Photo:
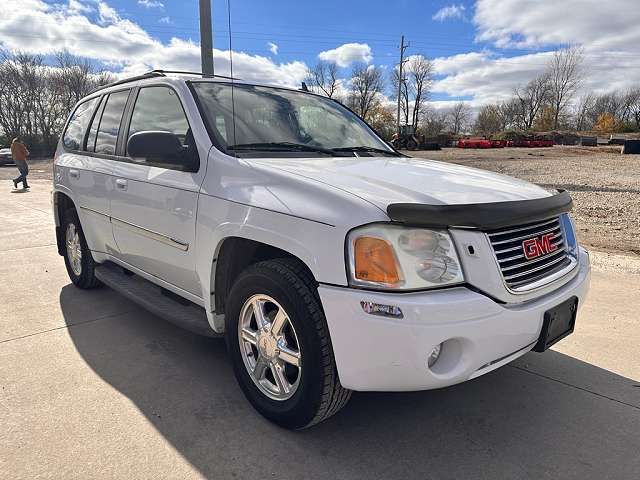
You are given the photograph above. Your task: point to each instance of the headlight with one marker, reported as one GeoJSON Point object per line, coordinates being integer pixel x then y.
{"type": "Point", "coordinates": [569, 232]}
{"type": "Point", "coordinates": [399, 258]}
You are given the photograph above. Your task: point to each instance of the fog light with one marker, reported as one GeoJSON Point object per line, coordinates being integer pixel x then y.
{"type": "Point", "coordinates": [434, 355]}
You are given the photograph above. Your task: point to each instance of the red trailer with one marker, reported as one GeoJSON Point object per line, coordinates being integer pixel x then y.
{"type": "Point", "coordinates": [474, 143]}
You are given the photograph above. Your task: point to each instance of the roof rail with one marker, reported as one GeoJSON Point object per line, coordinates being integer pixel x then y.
{"type": "Point", "coordinates": [184, 72]}
{"type": "Point", "coordinates": [155, 73]}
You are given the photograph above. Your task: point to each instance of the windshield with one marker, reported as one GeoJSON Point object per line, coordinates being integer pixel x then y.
{"type": "Point", "coordinates": [276, 120]}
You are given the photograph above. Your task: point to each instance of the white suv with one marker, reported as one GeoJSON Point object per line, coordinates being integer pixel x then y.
{"type": "Point", "coordinates": [330, 262]}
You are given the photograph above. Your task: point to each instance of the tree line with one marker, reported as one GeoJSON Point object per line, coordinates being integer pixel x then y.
{"type": "Point", "coordinates": [36, 98]}
{"type": "Point", "coordinates": [549, 101]}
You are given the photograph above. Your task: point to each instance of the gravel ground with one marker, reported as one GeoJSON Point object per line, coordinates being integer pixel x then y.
{"type": "Point", "coordinates": [605, 185]}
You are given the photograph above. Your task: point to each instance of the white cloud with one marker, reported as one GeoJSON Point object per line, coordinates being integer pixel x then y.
{"type": "Point", "coordinates": [521, 23]}
{"type": "Point", "coordinates": [150, 4]}
{"type": "Point", "coordinates": [35, 26]}
{"type": "Point", "coordinates": [273, 48]}
{"type": "Point", "coordinates": [609, 41]}
{"type": "Point", "coordinates": [166, 20]}
{"type": "Point", "coordinates": [348, 53]}
{"type": "Point", "coordinates": [485, 76]}
{"type": "Point", "coordinates": [450, 12]}
{"type": "Point", "coordinates": [75, 7]}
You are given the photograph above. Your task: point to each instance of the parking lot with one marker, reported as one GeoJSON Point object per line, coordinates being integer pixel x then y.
{"type": "Point", "coordinates": [93, 386]}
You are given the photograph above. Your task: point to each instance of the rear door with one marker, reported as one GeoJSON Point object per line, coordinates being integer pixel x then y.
{"type": "Point", "coordinates": [154, 205]}
{"type": "Point", "coordinates": [86, 174]}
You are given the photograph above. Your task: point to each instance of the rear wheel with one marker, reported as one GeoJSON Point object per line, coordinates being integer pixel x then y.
{"type": "Point", "coordinates": [278, 340]}
{"type": "Point", "coordinates": [77, 256]}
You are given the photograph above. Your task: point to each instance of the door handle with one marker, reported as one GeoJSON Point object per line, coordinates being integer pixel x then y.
{"type": "Point", "coordinates": [121, 184]}
{"type": "Point", "coordinates": [73, 173]}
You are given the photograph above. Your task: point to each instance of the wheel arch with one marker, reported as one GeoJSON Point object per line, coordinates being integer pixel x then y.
{"type": "Point", "coordinates": [233, 255]}
{"type": "Point", "coordinates": [61, 203]}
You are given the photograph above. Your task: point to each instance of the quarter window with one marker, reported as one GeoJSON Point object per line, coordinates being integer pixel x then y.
{"type": "Point", "coordinates": [74, 134]}
{"type": "Point", "coordinates": [110, 123]}
{"type": "Point", "coordinates": [93, 130]}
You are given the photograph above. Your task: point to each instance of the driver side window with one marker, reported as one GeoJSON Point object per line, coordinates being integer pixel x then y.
{"type": "Point", "coordinates": [158, 109]}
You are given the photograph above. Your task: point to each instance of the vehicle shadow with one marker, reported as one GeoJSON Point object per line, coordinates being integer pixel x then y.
{"type": "Point", "coordinates": [522, 421]}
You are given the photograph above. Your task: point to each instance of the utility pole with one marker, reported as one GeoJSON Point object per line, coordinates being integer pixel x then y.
{"type": "Point", "coordinates": [206, 38]}
{"type": "Point", "coordinates": [403, 47]}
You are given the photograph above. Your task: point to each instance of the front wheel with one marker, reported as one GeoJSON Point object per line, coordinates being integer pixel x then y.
{"type": "Point", "coordinates": [278, 340]}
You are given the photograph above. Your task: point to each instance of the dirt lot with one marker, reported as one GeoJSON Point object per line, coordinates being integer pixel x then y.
{"type": "Point", "coordinates": [605, 186]}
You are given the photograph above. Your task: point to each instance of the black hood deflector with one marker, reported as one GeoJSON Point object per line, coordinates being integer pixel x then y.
{"type": "Point", "coordinates": [481, 216]}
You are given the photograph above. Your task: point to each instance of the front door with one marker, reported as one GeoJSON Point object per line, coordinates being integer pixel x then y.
{"type": "Point", "coordinates": [153, 207]}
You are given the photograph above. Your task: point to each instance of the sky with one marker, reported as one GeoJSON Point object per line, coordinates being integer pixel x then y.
{"type": "Point", "coordinates": [481, 49]}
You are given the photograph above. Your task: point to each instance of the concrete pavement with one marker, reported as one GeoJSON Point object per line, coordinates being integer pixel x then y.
{"type": "Point", "coordinates": [91, 386]}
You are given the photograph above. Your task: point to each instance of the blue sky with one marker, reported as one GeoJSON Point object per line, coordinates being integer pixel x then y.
{"type": "Point", "coordinates": [481, 49]}
{"type": "Point", "coordinates": [301, 30]}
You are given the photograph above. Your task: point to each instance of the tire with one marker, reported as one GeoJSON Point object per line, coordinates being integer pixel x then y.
{"type": "Point", "coordinates": [318, 393]}
{"type": "Point", "coordinates": [82, 272]}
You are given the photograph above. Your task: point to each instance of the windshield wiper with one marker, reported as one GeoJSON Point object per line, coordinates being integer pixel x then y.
{"type": "Point", "coordinates": [280, 147]}
{"type": "Point", "coordinates": [363, 148]}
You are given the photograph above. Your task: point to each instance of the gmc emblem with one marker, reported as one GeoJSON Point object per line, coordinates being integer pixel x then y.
{"type": "Point", "coordinates": [538, 246]}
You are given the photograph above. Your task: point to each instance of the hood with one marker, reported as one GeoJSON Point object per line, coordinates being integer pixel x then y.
{"type": "Point", "coordinates": [383, 180]}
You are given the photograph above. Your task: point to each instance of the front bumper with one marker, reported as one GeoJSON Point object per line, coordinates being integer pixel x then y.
{"type": "Point", "coordinates": [479, 334]}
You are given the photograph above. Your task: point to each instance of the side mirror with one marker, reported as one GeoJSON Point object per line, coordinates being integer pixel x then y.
{"type": "Point", "coordinates": [164, 148]}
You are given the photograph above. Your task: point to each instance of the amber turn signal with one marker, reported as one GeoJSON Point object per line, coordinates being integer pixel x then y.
{"type": "Point", "coordinates": [375, 261]}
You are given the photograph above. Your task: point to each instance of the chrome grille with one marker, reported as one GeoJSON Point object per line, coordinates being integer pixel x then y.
{"type": "Point", "coordinates": [517, 271]}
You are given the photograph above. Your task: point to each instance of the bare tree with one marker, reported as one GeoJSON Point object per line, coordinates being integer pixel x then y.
{"type": "Point", "coordinates": [508, 114]}
{"type": "Point", "coordinates": [414, 88]}
{"type": "Point", "coordinates": [367, 85]}
{"type": "Point", "coordinates": [607, 103]}
{"type": "Point", "coordinates": [324, 78]}
{"type": "Point", "coordinates": [564, 76]}
{"type": "Point", "coordinates": [35, 98]}
{"type": "Point", "coordinates": [433, 121]}
{"type": "Point", "coordinates": [633, 100]}
{"type": "Point", "coordinates": [583, 108]}
{"type": "Point", "coordinates": [489, 120]}
{"type": "Point", "coordinates": [630, 100]}
{"type": "Point", "coordinates": [459, 117]}
{"type": "Point", "coordinates": [419, 80]}
{"type": "Point", "coordinates": [530, 100]}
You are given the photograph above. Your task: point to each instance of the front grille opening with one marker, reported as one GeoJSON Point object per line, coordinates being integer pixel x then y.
{"type": "Point", "coordinates": [516, 269]}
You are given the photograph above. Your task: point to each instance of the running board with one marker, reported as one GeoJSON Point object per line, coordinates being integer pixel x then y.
{"type": "Point", "coordinates": [155, 299]}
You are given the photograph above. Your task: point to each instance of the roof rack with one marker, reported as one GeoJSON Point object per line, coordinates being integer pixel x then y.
{"type": "Point", "coordinates": [152, 74]}
{"type": "Point", "coordinates": [156, 73]}
{"type": "Point", "coordinates": [185, 72]}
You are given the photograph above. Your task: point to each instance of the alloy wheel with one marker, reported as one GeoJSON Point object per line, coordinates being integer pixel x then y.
{"type": "Point", "coordinates": [74, 249]}
{"type": "Point", "coordinates": [269, 347]}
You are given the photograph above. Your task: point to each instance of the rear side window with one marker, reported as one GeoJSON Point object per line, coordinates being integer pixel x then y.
{"type": "Point", "coordinates": [110, 123]}
{"type": "Point", "coordinates": [74, 134]}
{"type": "Point", "coordinates": [93, 130]}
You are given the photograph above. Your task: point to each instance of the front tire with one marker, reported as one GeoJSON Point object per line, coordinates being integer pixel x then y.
{"type": "Point", "coordinates": [278, 340]}
{"type": "Point", "coordinates": [77, 256]}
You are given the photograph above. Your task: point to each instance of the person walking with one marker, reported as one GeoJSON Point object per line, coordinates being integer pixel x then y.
{"type": "Point", "coordinates": [20, 153]}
